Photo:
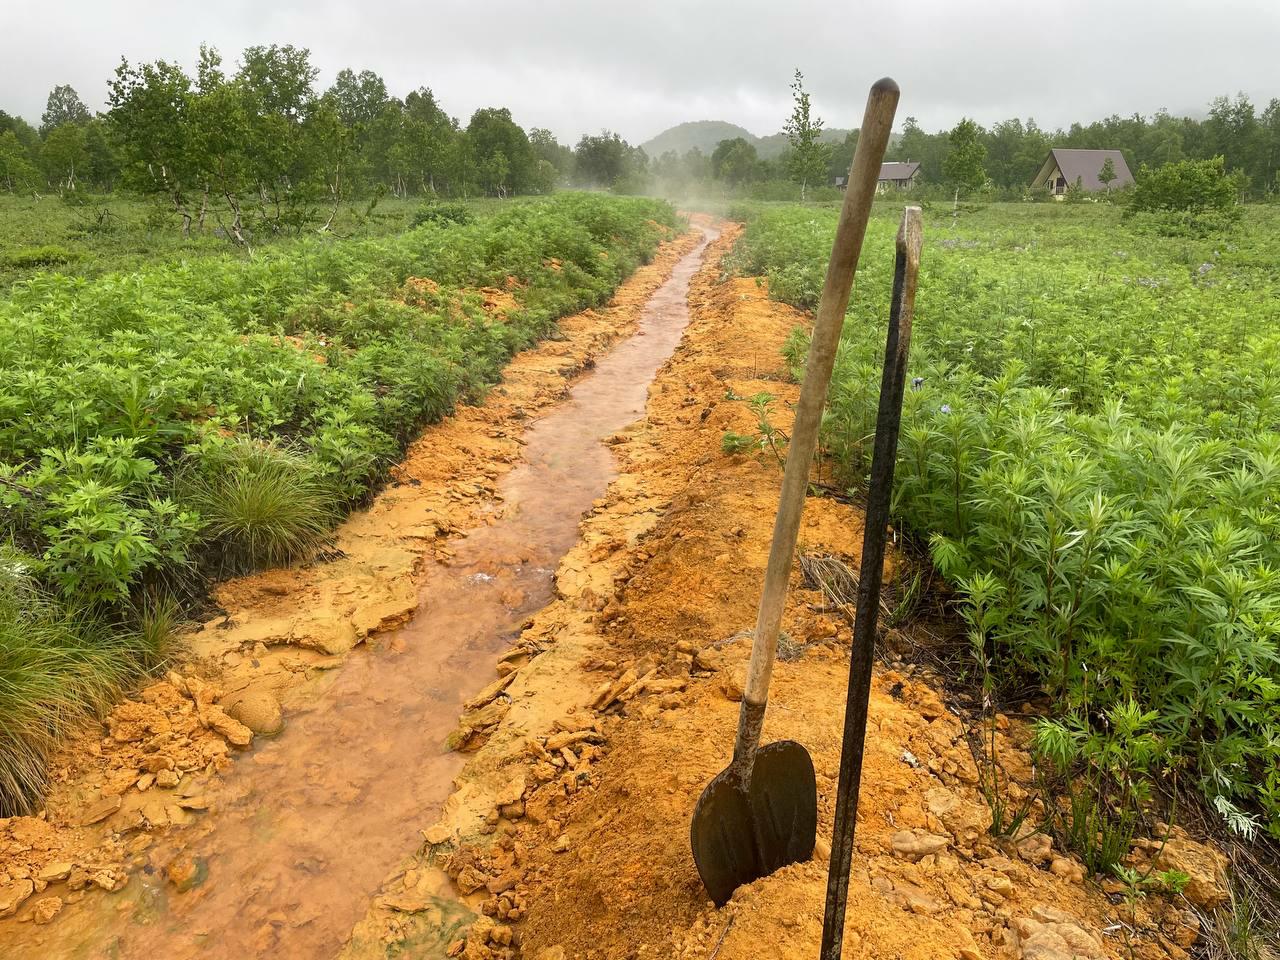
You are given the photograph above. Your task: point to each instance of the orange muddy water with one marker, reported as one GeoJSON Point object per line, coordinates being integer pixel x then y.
{"type": "Point", "coordinates": [306, 827]}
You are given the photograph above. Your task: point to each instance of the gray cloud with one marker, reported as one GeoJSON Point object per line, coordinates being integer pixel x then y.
{"type": "Point", "coordinates": [578, 66]}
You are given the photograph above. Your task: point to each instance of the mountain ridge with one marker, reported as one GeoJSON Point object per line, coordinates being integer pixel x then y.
{"type": "Point", "coordinates": [706, 134]}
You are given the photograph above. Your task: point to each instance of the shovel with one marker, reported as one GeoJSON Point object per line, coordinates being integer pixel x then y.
{"type": "Point", "coordinates": [888, 419]}
{"type": "Point", "coordinates": [761, 812]}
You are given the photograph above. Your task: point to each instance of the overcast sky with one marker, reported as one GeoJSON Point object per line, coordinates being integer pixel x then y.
{"type": "Point", "coordinates": [639, 67]}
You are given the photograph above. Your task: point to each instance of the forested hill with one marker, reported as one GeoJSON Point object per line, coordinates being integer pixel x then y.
{"type": "Point", "coordinates": [706, 134]}
{"type": "Point", "coordinates": [703, 134]}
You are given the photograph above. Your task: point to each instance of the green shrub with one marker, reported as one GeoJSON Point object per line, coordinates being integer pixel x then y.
{"type": "Point", "coordinates": [100, 518]}
{"type": "Point", "coordinates": [1096, 780]}
{"type": "Point", "coordinates": [48, 255]}
{"type": "Point", "coordinates": [1189, 197]}
{"type": "Point", "coordinates": [442, 212]}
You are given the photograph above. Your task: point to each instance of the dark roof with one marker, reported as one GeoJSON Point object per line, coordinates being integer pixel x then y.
{"type": "Point", "coordinates": [1086, 165]}
{"type": "Point", "coordinates": [898, 171]}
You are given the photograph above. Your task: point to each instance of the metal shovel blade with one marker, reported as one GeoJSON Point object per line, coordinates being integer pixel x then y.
{"type": "Point", "coordinates": [741, 833]}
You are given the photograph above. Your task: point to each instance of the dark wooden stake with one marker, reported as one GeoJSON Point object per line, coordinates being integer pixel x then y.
{"type": "Point", "coordinates": [884, 454]}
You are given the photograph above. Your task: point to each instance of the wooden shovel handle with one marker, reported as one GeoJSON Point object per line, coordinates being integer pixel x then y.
{"type": "Point", "coordinates": [873, 138]}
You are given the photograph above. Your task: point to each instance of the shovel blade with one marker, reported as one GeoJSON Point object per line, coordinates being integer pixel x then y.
{"type": "Point", "coordinates": [742, 833]}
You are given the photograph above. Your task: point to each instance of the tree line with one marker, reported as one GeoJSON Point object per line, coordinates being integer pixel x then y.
{"type": "Point", "coordinates": [1005, 156]}
{"type": "Point", "coordinates": [261, 148]}
{"type": "Point", "coordinates": [1246, 138]}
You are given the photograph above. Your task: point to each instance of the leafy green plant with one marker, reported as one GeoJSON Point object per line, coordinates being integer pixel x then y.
{"type": "Point", "coordinates": [1089, 421]}
{"type": "Point", "coordinates": [982, 612]}
{"type": "Point", "coordinates": [767, 436]}
{"type": "Point", "coordinates": [1103, 772]}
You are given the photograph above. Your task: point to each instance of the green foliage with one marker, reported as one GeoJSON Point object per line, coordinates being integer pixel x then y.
{"type": "Point", "coordinates": [58, 668]}
{"type": "Point", "coordinates": [49, 255]}
{"type": "Point", "coordinates": [766, 437]}
{"type": "Point", "coordinates": [1107, 175]}
{"type": "Point", "coordinates": [157, 618]}
{"type": "Point", "coordinates": [735, 162]}
{"type": "Point", "coordinates": [609, 161]}
{"type": "Point", "coordinates": [983, 614]}
{"type": "Point", "coordinates": [17, 171]}
{"type": "Point", "coordinates": [261, 504]}
{"type": "Point", "coordinates": [1098, 782]}
{"type": "Point", "coordinates": [1193, 197]}
{"type": "Point", "coordinates": [1091, 422]}
{"type": "Point", "coordinates": [64, 107]}
{"type": "Point", "coordinates": [441, 212]}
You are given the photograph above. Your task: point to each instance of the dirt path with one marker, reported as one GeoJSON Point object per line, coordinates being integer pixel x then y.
{"type": "Point", "coordinates": [318, 815]}
{"type": "Point", "coordinates": [568, 834]}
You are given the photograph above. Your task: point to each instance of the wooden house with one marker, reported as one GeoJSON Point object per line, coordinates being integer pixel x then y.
{"type": "Point", "coordinates": [893, 175]}
{"type": "Point", "coordinates": [897, 176]}
{"type": "Point", "coordinates": [1064, 167]}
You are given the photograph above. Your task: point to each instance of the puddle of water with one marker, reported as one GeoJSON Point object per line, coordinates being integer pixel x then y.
{"type": "Point", "coordinates": [308, 826]}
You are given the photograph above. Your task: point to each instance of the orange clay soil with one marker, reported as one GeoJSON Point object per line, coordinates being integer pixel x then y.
{"type": "Point", "coordinates": [568, 832]}
{"type": "Point", "coordinates": [145, 772]}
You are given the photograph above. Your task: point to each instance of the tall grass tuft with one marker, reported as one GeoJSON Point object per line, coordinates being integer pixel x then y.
{"type": "Point", "coordinates": [261, 503]}
{"type": "Point", "coordinates": [157, 618]}
{"type": "Point", "coordinates": [58, 669]}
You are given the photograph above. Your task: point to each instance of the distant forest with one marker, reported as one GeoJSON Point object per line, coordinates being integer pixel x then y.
{"type": "Point", "coordinates": [262, 145]}
{"type": "Point", "coordinates": [1234, 128]}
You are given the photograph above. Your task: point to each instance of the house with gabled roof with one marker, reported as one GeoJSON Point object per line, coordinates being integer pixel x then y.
{"type": "Point", "coordinates": [895, 175]}
{"type": "Point", "coordinates": [1066, 166]}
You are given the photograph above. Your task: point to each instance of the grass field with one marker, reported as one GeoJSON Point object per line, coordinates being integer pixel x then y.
{"type": "Point", "coordinates": [1090, 450]}
{"type": "Point", "coordinates": [88, 235]}
{"type": "Point", "coordinates": [203, 415]}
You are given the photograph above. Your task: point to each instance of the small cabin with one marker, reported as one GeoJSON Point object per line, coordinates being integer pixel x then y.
{"type": "Point", "coordinates": [897, 176]}
{"type": "Point", "coordinates": [893, 176]}
{"type": "Point", "coordinates": [1064, 167]}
